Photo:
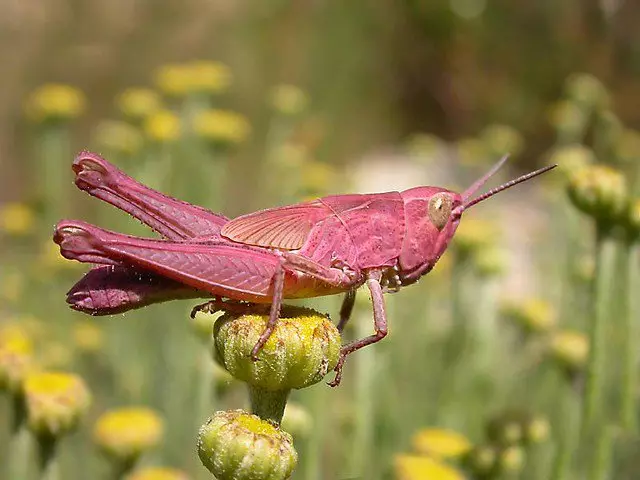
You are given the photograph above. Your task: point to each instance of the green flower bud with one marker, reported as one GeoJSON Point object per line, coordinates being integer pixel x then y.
{"type": "Point", "coordinates": [55, 402]}
{"type": "Point", "coordinates": [533, 316]}
{"type": "Point", "coordinates": [570, 350]}
{"type": "Point", "coordinates": [158, 473]}
{"type": "Point", "coordinates": [235, 445]}
{"type": "Point", "coordinates": [296, 420]}
{"type": "Point", "coordinates": [571, 158]}
{"type": "Point", "coordinates": [481, 460]}
{"type": "Point", "coordinates": [507, 428]}
{"type": "Point", "coordinates": [126, 433]}
{"type": "Point", "coordinates": [511, 460]}
{"type": "Point", "coordinates": [600, 192]}
{"type": "Point", "coordinates": [501, 139]}
{"type": "Point", "coordinates": [304, 346]}
{"type": "Point", "coordinates": [568, 118]}
{"type": "Point", "coordinates": [536, 429]}
{"type": "Point", "coordinates": [586, 90]}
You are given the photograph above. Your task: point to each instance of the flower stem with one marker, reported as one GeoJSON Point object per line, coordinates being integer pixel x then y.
{"type": "Point", "coordinates": [206, 394]}
{"type": "Point", "coordinates": [20, 441]}
{"type": "Point", "coordinates": [631, 278]}
{"type": "Point", "coordinates": [568, 439]}
{"type": "Point", "coordinates": [48, 468]}
{"type": "Point", "coordinates": [603, 279]}
{"type": "Point", "coordinates": [268, 404]}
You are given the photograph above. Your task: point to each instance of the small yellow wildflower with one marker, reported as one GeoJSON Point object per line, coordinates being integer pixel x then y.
{"type": "Point", "coordinates": [55, 102]}
{"type": "Point", "coordinates": [600, 192]}
{"type": "Point", "coordinates": [16, 219]}
{"type": "Point", "coordinates": [138, 103]}
{"type": "Point", "coordinates": [16, 356]}
{"type": "Point", "coordinates": [571, 158]}
{"type": "Point", "coordinates": [441, 443]}
{"type": "Point", "coordinates": [88, 336]}
{"type": "Point", "coordinates": [570, 348]}
{"type": "Point", "coordinates": [288, 99]}
{"type": "Point", "coordinates": [173, 79]}
{"type": "Point", "coordinates": [163, 126]}
{"type": "Point", "coordinates": [221, 126]}
{"type": "Point", "coordinates": [534, 315]}
{"type": "Point", "coordinates": [290, 156]}
{"type": "Point", "coordinates": [55, 402]}
{"type": "Point", "coordinates": [511, 459]}
{"type": "Point", "coordinates": [502, 139]}
{"type": "Point", "coordinates": [126, 433]}
{"type": "Point", "coordinates": [414, 467]}
{"type": "Point", "coordinates": [209, 77]}
{"type": "Point", "coordinates": [120, 137]}
{"type": "Point", "coordinates": [158, 473]}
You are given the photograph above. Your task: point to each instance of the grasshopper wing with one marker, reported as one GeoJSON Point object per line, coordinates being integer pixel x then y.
{"type": "Point", "coordinates": [283, 227]}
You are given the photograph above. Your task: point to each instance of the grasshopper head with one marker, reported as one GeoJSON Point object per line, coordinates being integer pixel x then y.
{"type": "Point", "coordinates": [432, 215]}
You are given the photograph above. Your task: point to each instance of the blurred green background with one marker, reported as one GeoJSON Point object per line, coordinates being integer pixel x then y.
{"type": "Point", "coordinates": [495, 362]}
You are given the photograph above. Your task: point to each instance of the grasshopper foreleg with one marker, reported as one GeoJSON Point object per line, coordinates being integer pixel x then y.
{"type": "Point", "coordinates": [380, 322]}
{"type": "Point", "coordinates": [274, 313]}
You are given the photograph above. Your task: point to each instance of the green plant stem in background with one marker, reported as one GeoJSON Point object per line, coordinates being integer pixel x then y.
{"type": "Point", "coordinates": [268, 404]}
{"type": "Point", "coordinates": [206, 395]}
{"type": "Point", "coordinates": [631, 279]}
{"type": "Point", "coordinates": [566, 431]}
{"type": "Point", "coordinates": [605, 250]}
{"type": "Point", "coordinates": [601, 459]}
{"type": "Point", "coordinates": [20, 442]}
{"type": "Point", "coordinates": [48, 467]}
{"type": "Point", "coordinates": [53, 172]}
{"type": "Point", "coordinates": [312, 459]}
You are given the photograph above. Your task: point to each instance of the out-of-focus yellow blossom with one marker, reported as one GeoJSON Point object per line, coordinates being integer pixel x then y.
{"type": "Point", "coordinates": [55, 102]}
{"type": "Point", "coordinates": [221, 126]}
{"type": "Point", "coordinates": [209, 77]}
{"type": "Point", "coordinates": [88, 337]}
{"type": "Point", "coordinates": [318, 177]}
{"type": "Point", "coordinates": [502, 139]}
{"type": "Point", "coordinates": [474, 235]}
{"type": "Point", "coordinates": [118, 136]}
{"type": "Point", "coordinates": [537, 430]}
{"type": "Point", "coordinates": [511, 459]}
{"type": "Point", "coordinates": [50, 258]}
{"type": "Point", "coordinates": [291, 156]}
{"type": "Point", "coordinates": [628, 146]}
{"type": "Point", "coordinates": [288, 99]}
{"type": "Point", "coordinates": [472, 151]}
{"type": "Point", "coordinates": [138, 103]}
{"type": "Point", "coordinates": [11, 286]}
{"type": "Point", "coordinates": [441, 443]}
{"type": "Point", "coordinates": [163, 126]}
{"type": "Point", "coordinates": [414, 467]}
{"type": "Point", "coordinates": [490, 262]}
{"type": "Point", "coordinates": [534, 315]}
{"type": "Point", "coordinates": [481, 460]}
{"type": "Point", "coordinates": [56, 355]}
{"type": "Point", "coordinates": [173, 79]}
{"type": "Point", "coordinates": [600, 192]}
{"type": "Point", "coordinates": [568, 119]}
{"type": "Point", "coordinates": [571, 158]}
{"type": "Point", "coordinates": [570, 349]}
{"type": "Point", "coordinates": [424, 146]}
{"type": "Point", "coordinates": [16, 356]}
{"type": "Point", "coordinates": [158, 473]}
{"type": "Point", "coordinates": [586, 90]}
{"type": "Point", "coordinates": [55, 402]}
{"type": "Point", "coordinates": [126, 433]}
{"type": "Point", "coordinates": [16, 219]}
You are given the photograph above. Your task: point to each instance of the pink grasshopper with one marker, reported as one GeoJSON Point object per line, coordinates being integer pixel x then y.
{"type": "Point", "coordinates": [327, 246]}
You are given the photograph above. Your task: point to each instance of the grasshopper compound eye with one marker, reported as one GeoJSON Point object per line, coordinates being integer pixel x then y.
{"type": "Point", "coordinates": [439, 211]}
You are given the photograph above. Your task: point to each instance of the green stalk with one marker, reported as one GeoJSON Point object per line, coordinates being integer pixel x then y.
{"type": "Point", "coordinates": [48, 461]}
{"type": "Point", "coordinates": [592, 412]}
{"type": "Point", "coordinates": [631, 278]}
{"type": "Point", "coordinates": [567, 433]}
{"type": "Point", "coordinates": [268, 404]}
{"type": "Point", "coordinates": [315, 442]}
{"type": "Point", "coordinates": [206, 395]}
{"type": "Point", "coordinates": [601, 466]}
{"type": "Point", "coordinates": [54, 175]}
{"type": "Point", "coordinates": [19, 447]}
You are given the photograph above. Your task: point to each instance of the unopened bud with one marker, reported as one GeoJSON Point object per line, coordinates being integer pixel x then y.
{"type": "Point", "coordinates": [570, 349]}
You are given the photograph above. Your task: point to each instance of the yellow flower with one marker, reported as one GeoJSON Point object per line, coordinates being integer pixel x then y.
{"type": "Point", "coordinates": [502, 139]}
{"type": "Point", "coordinates": [16, 219]}
{"type": "Point", "coordinates": [88, 336]}
{"type": "Point", "coordinates": [414, 467]}
{"type": "Point", "coordinates": [158, 473]}
{"type": "Point", "coordinates": [221, 126]}
{"type": "Point", "coordinates": [119, 136]}
{"type": "Point", "coordinates": [209, 77]}
{"type": "Point", "coordinates": [55, 102]}
{"type": "Point", "coordinates": [474, 235]}
{"type": "Point", "coordinates": [570, 348]}
{"type": "Point", "coordinates": [173, 79]}
{"type": "Point", "coordinates": [441, 443]}
{"type": "Point", "coordinates": [163, 126]}
{"type": "Point", "coordinates": [126, 433]}
{"type": "Point", "coordinates": [55, 402]}
{"type": "Point", "coordinates": [534, 315]}
{"type": "Point", "coordinates": [571, 158]}
{"type": "Point", "coordinates": [601, 192]}
{"type": "Point", "coordinates": [138, 103]}
{"type": "Point", "coordinates": [511, 459]}
{"type": "Point", "coordinates": [16, 356]}
{"type": "Point", "coordinates": [288, 99]}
